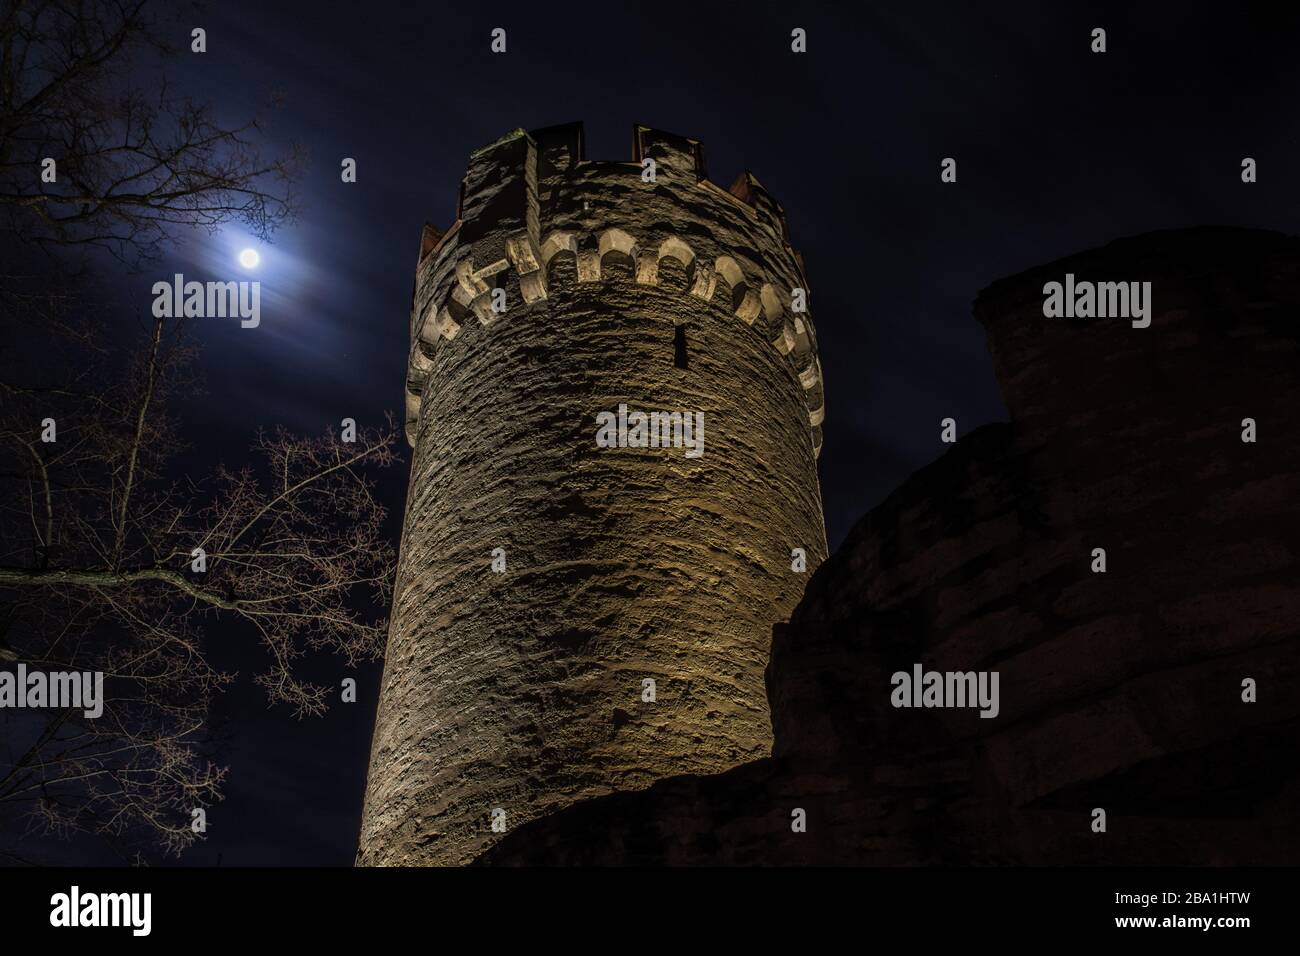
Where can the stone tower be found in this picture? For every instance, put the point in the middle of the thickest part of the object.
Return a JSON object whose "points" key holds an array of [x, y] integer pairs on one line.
{"points": [[572, 619]]}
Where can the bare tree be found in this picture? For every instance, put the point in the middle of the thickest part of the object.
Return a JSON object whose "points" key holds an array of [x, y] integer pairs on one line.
{"points": [[97, 573], [100, 531], [129, 161]]}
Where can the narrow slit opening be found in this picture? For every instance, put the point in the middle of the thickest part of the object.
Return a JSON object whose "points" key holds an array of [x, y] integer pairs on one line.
{"points": [[679, 346]]}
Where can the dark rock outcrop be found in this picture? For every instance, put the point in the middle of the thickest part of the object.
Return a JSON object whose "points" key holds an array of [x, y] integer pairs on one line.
{"points": [[1120, 690]]}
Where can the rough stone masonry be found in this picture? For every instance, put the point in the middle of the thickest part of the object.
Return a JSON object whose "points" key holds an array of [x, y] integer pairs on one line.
{"points": [[544, 579]]}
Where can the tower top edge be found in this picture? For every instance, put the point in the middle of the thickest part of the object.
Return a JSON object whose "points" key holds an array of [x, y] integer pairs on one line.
{"points": [[563, 147]]}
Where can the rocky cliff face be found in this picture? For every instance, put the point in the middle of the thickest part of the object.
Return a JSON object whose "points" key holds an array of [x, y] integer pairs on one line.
{"points": [[1120, 690]]}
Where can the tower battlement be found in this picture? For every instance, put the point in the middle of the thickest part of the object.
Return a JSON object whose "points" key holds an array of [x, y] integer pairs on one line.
{"points": [[532, 204], [573, 615]]}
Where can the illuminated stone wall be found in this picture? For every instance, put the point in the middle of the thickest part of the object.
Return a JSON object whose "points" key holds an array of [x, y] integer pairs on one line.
{"points": [[523, 690]]}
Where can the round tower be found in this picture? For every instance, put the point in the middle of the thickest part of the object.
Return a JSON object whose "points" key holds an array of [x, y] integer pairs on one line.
{"points": [[614, 400]]}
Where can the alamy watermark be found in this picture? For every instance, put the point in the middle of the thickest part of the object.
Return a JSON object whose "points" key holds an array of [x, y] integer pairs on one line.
{"points": [[75, 909], [638, 429], [922, 688], [78, 690], [212, 300], [1098, 300]]}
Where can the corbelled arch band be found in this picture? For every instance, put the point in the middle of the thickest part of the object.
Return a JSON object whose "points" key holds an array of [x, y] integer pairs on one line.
{"points": [[471, 294]]}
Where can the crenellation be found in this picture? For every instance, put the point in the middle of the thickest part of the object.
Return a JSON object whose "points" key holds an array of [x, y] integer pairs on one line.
{"points": [[494, 192], [528, 198], [752, 193], [676, 157], [430, 239], [560, 148]]}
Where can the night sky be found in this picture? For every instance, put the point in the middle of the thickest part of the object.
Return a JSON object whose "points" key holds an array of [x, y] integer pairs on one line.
{"points": [[1058, 150]]}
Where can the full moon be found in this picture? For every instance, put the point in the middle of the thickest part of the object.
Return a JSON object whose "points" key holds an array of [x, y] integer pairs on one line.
{"points": [[249, 258]]}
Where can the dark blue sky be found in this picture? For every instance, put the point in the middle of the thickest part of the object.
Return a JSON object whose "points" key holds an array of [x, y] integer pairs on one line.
{"points": [[1058, 150]]}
